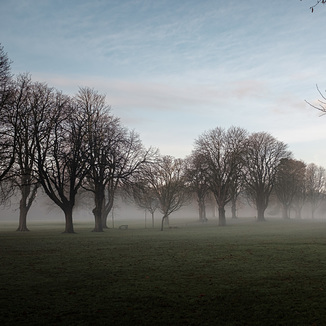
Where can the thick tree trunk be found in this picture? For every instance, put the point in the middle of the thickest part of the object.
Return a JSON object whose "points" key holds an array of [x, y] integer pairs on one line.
{"points": [[165, 218], [234, 208], [98, 220], [221, 216], [97, 211], [22, 226], [69, 228], [25, 204], [107, 207], [260, 213]]}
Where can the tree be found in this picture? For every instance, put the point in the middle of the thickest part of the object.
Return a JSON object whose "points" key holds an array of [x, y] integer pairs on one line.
{"points": [[99, 129], [166, 176], [25, 97], [288, 183], [222, 152], [196, 177], [262, 159], [61, 156], [315, 186]]}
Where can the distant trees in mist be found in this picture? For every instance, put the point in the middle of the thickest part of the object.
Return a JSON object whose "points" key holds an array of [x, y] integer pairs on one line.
{"points": [[66, 145]]}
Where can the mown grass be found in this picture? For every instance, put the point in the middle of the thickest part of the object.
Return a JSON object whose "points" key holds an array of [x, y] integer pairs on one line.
{"points": [[271, 273]]}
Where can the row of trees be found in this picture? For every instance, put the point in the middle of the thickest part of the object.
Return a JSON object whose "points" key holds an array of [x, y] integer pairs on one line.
{"points": [[65, 145]]}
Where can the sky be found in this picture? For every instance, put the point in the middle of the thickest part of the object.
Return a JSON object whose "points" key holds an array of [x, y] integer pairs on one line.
{"points": [[173, 69]]}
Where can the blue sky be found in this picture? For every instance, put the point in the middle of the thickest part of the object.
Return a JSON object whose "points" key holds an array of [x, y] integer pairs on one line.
{"points": [[172, 69]]}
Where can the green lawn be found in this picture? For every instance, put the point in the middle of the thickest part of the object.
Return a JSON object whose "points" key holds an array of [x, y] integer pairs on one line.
{"points": [[246, 273]]}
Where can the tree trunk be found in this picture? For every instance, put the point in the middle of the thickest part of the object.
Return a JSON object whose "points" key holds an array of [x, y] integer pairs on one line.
{"points": [[164, 219], [285, 211], [97, 211], [22, 226], [221, 216], [107, 207], [69, 228], [234, 208], [98, 220], [260, 213], [25, 204]]}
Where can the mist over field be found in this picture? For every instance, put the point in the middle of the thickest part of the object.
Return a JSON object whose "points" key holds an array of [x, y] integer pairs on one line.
{"points": [[44, 211]]}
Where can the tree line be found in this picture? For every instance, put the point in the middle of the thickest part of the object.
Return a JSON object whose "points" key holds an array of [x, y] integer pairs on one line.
{"points": [[64, 145]]}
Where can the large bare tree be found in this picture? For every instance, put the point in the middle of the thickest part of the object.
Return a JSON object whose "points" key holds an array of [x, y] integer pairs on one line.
{"points": [[114, 153], [223, 153], [25, 97], [263, 156], [99, 129], [61, 152]]}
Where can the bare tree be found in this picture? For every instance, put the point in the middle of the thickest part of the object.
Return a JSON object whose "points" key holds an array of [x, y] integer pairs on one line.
{"points": [[20, 117], [61, 154], [288, 184], [262, 159], [223, 154], [166, 177], [100, 127], [196, 177], [315, 186]]}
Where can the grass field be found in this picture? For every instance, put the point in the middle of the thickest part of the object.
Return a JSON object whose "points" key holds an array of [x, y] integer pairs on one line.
{"points": [[247, 273]]}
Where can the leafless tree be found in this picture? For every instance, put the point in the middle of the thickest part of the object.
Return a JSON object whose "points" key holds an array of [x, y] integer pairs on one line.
{"points": [[223, 154], [20, 119], [100, 126], [315, 186], [114, 153], [61, 154], [196, 177], [166, 177], [290, 177], [262, 159]]}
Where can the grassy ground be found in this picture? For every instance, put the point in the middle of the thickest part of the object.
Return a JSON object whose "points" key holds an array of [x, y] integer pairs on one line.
{"points": [[271, 273]]}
